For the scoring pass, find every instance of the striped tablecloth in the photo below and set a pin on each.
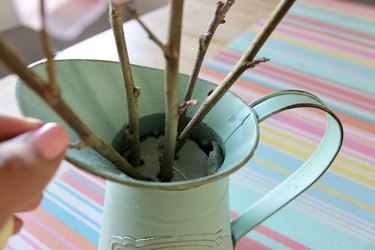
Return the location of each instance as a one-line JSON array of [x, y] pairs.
[[326, 47]]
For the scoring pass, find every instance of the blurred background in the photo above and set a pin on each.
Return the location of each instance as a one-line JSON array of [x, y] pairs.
[[27, 42]]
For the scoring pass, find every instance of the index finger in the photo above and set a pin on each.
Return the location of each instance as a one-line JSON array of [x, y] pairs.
[[13, 126]]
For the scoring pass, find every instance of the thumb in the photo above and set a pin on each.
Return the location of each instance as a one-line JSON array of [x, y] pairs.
[[28, 162]]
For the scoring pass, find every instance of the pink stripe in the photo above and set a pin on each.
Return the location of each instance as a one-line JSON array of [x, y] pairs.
[[307, 126], [324, 91], [367, 150], [249, 244], [280, 238], [85, 175], [350, 144], [274, 235], [306, 80], [310, 128], [246, 242], [329, 41], [274, 70], [351, 148], [295, 19], [262, 182], [29, 241], [57, 236], [253, 87], [82, 188], [349, 6], [294, 79]]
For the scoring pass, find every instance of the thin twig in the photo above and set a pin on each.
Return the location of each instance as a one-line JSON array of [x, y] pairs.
[[39, 86], [246, 60], [78, 145], [171, 88], [185, 105], [54, 88], [256, 61], [204, 42], [132, 93], [129, 6]]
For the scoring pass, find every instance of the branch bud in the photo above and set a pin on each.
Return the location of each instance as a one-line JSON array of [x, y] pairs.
[[185, 105], [137, 92]]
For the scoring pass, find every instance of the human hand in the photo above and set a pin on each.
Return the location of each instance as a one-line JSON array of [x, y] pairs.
[[30, 153]]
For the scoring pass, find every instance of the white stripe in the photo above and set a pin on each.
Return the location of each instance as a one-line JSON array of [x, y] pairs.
[[94, 179], [73, 213], [86, 199], [309, 205], [19, 243], [77, 203]]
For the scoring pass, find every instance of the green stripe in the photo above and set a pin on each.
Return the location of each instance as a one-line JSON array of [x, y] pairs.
[[334, 18], [313, 62]]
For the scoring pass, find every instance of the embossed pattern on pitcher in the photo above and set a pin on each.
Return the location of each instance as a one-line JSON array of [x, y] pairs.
[[220, 241]]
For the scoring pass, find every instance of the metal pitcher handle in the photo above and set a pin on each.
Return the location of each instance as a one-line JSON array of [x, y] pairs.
[[307, 174]]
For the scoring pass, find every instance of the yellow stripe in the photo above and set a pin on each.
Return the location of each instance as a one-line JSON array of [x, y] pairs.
[[345, 197], [324, 50], [318, 47], [317, 185], [278, 140], [343, 12]]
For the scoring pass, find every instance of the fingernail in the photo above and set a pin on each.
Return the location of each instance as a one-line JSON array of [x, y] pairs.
[[50, 140], [34, 120]]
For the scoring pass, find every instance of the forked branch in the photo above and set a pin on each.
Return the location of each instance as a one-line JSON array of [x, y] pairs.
[[204, 42], [132, 93], [246, 61], [50, 66], [40, 87], [129, 6]]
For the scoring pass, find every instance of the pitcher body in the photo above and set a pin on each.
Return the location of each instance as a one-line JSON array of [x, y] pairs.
[[136, 218]]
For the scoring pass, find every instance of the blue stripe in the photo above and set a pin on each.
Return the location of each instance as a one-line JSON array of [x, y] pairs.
[[276, 47], [76, 210], [330, 179], [86, 183], [277, 85], [332, 32], [288, 220], [79, 196], [334, 18], [322, 195], [70, 220], [305, 60]]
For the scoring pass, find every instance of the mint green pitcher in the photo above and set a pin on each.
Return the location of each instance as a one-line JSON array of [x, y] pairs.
[[191, 214]]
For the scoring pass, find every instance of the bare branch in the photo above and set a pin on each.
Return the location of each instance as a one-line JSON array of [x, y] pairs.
[[50, 66], [171, 88], [243, 64], [16, 64], [40, 87], [132, 93], [204, 42], [133, 11]]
